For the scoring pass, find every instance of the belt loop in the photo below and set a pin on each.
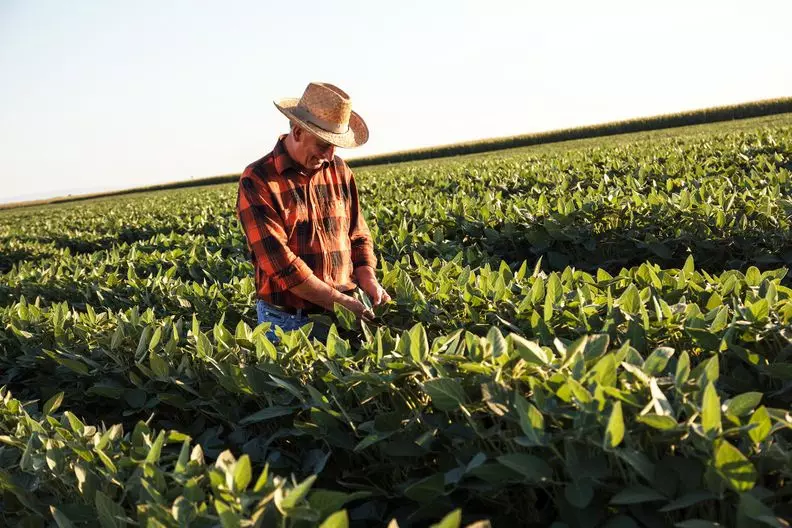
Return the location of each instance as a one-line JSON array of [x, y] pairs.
[[299, 313]]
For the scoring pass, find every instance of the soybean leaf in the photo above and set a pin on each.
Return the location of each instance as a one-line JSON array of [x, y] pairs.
[[636, 494], [53, 404], [452, 520], [744, 403], [427, 489], [531, 467], [736, 470], [614, 433], [339, 519], [447, 394]]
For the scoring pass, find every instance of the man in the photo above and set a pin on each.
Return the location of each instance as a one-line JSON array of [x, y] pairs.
[[299, 209]]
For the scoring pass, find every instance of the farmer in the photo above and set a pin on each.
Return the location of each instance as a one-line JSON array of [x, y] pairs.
[[299, 209]]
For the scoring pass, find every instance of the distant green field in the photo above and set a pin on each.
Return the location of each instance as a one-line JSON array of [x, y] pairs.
[[734, 117], [588, 333]]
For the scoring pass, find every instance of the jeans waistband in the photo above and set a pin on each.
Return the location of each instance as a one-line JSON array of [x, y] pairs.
[[290, 310]]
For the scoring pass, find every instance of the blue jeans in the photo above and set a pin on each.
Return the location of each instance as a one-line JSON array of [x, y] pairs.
[[286, 321]]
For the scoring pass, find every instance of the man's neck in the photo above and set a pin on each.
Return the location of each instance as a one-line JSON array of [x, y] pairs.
[[288, 144]]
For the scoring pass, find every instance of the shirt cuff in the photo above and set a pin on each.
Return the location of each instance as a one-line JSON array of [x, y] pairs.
[[363, 256], [293, 275]]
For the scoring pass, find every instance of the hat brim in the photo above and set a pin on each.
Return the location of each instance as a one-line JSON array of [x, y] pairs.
[[355, 136]]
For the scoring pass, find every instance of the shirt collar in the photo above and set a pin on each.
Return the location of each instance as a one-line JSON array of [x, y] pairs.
[[284, 162]]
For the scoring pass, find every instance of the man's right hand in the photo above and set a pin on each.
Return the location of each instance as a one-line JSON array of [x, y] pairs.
[[358, 308]]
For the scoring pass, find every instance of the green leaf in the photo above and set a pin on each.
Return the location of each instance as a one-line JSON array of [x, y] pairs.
[[228, 517], [639, 462], [744, 403], [76, 425], [710, 411], [614, 433], [328, 501], [419, 343], [697, 523], [531, 467], [753, 277], [337, 347], [663, 423], [143, 343], [596, 346], [155, 339], [446, 393], [761, 419], [496, 341], [267, 413], [657, 360], [579, 493], [630, 300], [531, 420], [183, 511], [242, 473], [53, 404], [288, 387], [753, 508], [682, 371], [688, 500], [733, 467], [158, 365], [427, 489], [452, 520], [690, 265], [296, 494], [345, 316], [60, 518], [372, 439], [339, 519], [636, 494], [110, 513], [779, 370], [760, 310], [184, 458], [156, 449], [529, 350]]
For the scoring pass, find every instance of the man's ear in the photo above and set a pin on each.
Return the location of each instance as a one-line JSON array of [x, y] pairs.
[[297, 132]]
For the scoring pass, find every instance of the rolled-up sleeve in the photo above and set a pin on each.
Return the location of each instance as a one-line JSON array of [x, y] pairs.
[[359, 234], [266, 236]]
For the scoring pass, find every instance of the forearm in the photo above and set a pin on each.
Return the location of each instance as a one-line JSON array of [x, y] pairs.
[[364, 274], [320, 293]]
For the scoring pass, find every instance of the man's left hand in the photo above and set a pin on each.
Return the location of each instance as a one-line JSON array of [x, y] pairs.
[[376, 292], [368, 283]]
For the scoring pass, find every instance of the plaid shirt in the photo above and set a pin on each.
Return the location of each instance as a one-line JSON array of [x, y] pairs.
[[297, 225]]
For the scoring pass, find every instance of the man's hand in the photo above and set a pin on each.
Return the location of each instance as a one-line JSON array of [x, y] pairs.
[[358, 308], [368, 282]]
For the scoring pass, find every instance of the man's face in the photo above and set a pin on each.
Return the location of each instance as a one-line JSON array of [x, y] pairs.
[[312, 151]]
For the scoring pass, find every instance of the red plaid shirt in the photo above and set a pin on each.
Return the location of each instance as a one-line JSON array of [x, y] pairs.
[[298, 225]]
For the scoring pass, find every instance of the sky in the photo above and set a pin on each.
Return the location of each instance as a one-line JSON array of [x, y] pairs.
[[104, 95]]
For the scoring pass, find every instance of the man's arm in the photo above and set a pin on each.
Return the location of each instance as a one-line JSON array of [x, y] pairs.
[[364, 261], [266, 235], [359, 235]]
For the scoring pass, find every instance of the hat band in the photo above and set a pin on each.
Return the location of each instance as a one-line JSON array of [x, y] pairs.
[[305, 115]]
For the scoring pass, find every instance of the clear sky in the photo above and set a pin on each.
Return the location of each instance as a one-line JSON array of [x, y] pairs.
[[99, 95]]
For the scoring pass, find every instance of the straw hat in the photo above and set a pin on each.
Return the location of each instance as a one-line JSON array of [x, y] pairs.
[[326, 112]]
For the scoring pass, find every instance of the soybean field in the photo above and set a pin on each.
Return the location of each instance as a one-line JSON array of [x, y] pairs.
[[595, 333]]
